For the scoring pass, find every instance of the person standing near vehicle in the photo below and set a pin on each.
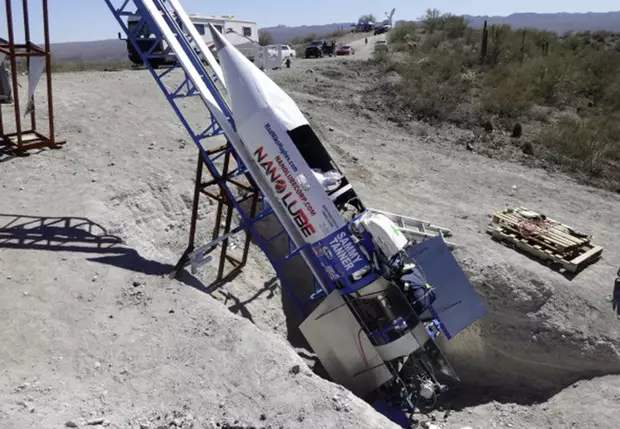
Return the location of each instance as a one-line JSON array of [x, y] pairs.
[[616, 295]]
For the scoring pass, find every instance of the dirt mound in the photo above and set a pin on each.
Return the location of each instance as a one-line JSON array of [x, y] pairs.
[[591, 403], [537, 338]]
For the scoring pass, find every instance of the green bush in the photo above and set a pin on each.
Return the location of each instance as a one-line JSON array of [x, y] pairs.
[[598, 70], [548, 77], [583, 145], [508, 92], [404, 33], [431, 88], [431, 21], [454, 26], [525, 75]]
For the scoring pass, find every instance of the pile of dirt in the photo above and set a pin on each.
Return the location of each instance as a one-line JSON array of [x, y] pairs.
[[591, 403], [533, 338]]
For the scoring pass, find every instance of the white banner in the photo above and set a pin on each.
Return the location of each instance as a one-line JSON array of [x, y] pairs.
[[35, 71], [5, 86], [293, 183]]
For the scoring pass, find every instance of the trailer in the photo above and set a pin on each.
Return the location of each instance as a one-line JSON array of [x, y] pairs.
[[243, 34]]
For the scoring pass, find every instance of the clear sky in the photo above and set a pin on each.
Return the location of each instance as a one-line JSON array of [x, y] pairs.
[[81, 20]]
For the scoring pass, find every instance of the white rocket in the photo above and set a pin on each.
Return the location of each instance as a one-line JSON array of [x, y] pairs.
[[298, 168], [281, 141]]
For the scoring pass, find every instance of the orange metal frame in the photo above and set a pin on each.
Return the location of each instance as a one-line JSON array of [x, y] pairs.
[[25, 139]]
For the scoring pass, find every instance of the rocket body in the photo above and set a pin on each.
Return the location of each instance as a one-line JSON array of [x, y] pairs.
[[267, 120], [292, 159]]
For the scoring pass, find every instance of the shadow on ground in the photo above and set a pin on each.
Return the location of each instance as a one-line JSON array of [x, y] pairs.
[[80, 235]]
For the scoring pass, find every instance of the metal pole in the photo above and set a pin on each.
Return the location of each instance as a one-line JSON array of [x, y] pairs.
[[27, 41], [248, 235], [1, 125], [197, 187], [229, 213], [9, 25], [48, 73]]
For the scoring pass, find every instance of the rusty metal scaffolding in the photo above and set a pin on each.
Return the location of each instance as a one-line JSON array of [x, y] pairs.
[[228, 265], [21, 139]]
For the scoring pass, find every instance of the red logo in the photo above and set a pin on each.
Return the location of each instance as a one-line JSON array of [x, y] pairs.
[[298, 215], [280, 186]]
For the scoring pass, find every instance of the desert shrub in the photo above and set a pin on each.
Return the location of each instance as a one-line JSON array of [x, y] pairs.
[[432, 42], [549, 76], [600, 36], [598, 70], [507, 46], [454, 26], [472, 37], [403, 33], [583, 145], [265, 38], [432, 87], [383, 59], [574, 43], [508, 92], [525, 75], [431, 21]]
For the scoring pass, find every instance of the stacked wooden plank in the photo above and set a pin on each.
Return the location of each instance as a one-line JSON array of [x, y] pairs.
[[544, 238]]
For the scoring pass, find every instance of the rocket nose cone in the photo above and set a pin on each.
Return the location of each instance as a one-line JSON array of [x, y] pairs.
[[218, 39]]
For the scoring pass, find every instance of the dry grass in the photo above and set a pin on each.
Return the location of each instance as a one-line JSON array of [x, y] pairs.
[[525, 77]]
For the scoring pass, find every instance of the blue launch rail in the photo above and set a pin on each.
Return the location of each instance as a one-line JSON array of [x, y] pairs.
[[121, 9]]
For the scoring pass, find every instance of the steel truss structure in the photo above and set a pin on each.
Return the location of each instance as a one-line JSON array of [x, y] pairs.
[[22, 140], [230, 184]]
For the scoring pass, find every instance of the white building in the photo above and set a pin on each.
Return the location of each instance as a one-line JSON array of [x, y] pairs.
[[241, 33], [237, 31]]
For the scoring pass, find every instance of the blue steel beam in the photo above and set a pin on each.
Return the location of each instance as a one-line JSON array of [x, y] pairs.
[[213, 129]]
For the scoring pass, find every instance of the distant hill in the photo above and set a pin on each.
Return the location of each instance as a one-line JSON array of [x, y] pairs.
[[98, 51], [284, 34], [115, 50], [557, 22]]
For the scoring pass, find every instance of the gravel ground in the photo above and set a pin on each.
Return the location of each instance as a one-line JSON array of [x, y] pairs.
[[93, 329]]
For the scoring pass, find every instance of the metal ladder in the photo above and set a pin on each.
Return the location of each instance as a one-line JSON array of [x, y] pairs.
[[163, 18], [415, 229]]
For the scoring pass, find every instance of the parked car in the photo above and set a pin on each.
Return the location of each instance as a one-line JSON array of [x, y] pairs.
[[287, 51], [345, 50], [316, 49], [382, 29], [381, 45]]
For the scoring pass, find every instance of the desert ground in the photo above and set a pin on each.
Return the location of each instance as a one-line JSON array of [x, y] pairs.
[[94, 332]]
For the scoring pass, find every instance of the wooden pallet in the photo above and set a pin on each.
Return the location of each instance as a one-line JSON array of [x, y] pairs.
[[554, 242]]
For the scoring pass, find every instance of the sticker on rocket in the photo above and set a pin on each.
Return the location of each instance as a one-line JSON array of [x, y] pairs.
[[339, 251], [314, 214]]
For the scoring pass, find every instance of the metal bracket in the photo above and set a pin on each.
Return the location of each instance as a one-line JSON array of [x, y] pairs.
[[416, 229]]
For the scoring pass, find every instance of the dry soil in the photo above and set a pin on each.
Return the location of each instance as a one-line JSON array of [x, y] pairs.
[[92, 328]]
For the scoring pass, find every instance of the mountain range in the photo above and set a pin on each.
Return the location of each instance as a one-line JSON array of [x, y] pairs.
[[115, 50], [556, 22]]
